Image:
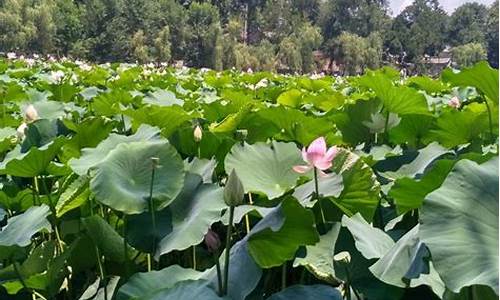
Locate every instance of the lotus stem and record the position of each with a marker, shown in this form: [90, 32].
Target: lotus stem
[316, 189]
[386, 125]
[194, 257]
[247, 219]
[490, 120]
[125, 250]
[219, 275]
[283, 276]
[228, 249]
[152, 208]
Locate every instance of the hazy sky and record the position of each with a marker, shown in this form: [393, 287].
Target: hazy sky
[449, 5]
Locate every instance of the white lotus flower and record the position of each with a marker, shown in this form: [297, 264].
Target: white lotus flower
[57, 76]
[11, 55]
[30, 114]
[20, 131]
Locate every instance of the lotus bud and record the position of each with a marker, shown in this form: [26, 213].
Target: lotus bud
[30, 114]
[212, 240]
[342, 257]
[233, 191]
[198, 133]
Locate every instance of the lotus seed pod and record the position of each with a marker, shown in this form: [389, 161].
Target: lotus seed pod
[30, 114]
[198, 133]
[233, 191]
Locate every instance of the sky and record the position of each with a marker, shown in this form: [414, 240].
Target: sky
[449, 5]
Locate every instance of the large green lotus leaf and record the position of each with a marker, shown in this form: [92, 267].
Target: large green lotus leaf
[481, 76]
[21, 228]
[406, 264]
[291, 124]
[455, 128]
[231, 122]
[429, 85]
[7, 138]
[47, 109]
[162, 98]
[400, 100]
[122, 180]
[167, 118]
[370, 241]
[412, 130]
[300, 292]
[91, 157]
[264, 168]
[109, 242]
[142, 285]
[318, 258]
[417, 166]
[459, 225]
[95, 292]
[41, 132]
[203, 167]
[242, 210]
[361, 188]
[197, 207]
[409, 194]
[291, 226]
[350, 121]
[330, 186]
[197, 289]
[292, 98]
[88, 134]
[36, 161]
[472, 292]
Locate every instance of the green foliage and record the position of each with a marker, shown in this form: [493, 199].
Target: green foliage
[119, 184]
[468, 54]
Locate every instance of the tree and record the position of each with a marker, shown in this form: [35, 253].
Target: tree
[355, 53]
[204, 36]
[420, 29]
[296, 50]
[139, 48]
[68, 26]
[492, 34]
[356, 16]
[468, 54]
[468, 24]
[162, 45]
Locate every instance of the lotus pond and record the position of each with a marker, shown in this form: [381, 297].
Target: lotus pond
[124, 182]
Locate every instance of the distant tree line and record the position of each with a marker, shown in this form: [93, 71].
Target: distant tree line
[283, 35]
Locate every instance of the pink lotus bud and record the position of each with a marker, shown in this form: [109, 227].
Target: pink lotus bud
[212, 240]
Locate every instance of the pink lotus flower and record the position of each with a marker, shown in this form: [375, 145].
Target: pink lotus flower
[317, 156]
[454, 102]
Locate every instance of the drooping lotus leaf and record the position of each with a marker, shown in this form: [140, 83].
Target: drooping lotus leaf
[91, 157]
[406, 263]
[109, 242]
[318, 258]
[167, 118]
[142, 285]
[370, 241]
[361, 188]
[409, 194]
[459, 225]
[122, 179]
[429, 85]
[292, 98]
[36, 161]
[481, 76]
[417, 166]
[203, 167]
[192, 212]
[73, 196]
[21, 228]
[264, 168]
[276, 238]
[316, 291]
